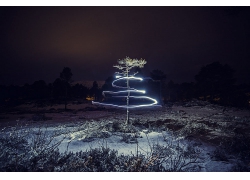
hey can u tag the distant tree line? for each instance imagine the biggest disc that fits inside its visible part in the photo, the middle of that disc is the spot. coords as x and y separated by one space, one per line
58 92
214 83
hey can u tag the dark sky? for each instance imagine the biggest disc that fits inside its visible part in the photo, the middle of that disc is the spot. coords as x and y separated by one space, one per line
37 42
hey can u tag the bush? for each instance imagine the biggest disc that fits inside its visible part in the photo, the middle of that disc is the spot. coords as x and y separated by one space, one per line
24 149
129 138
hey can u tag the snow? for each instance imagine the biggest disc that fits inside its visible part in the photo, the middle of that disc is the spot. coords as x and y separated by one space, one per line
76 142
90 129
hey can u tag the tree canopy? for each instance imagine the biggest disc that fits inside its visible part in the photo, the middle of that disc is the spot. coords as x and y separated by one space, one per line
66 74
214 78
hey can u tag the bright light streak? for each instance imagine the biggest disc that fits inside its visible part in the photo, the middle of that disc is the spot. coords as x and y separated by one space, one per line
154 101
118 92
131 77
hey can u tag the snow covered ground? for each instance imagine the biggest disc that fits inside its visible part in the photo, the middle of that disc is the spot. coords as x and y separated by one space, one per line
195 124
76 142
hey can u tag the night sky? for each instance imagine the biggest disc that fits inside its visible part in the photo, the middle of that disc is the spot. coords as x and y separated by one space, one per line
37 42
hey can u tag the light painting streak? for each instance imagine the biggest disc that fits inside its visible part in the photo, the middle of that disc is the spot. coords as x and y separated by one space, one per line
154 101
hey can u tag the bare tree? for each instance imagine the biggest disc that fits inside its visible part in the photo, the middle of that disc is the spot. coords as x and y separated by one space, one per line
125 65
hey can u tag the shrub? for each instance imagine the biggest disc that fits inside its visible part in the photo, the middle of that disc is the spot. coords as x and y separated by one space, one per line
35 150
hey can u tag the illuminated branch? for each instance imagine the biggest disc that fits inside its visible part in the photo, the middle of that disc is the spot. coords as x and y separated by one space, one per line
125 65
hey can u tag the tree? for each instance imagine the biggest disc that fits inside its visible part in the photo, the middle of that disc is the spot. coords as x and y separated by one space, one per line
125 65
66 76
94 90
79 91
214 79
108 83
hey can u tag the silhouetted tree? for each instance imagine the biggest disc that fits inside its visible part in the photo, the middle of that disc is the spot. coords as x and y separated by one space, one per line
79 91
66 76
94 90
214 80
108 84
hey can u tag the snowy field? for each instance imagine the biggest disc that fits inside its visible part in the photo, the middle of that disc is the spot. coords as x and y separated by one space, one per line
190 133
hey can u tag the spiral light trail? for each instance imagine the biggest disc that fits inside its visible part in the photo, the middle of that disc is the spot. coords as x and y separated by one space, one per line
154 101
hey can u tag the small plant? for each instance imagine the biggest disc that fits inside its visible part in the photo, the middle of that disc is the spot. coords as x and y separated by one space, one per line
129 138
117 126
219 154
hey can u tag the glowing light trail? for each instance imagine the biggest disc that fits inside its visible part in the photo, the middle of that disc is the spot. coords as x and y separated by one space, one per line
154 101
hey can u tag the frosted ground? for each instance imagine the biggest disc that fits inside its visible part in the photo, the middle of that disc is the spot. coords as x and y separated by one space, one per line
196 124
